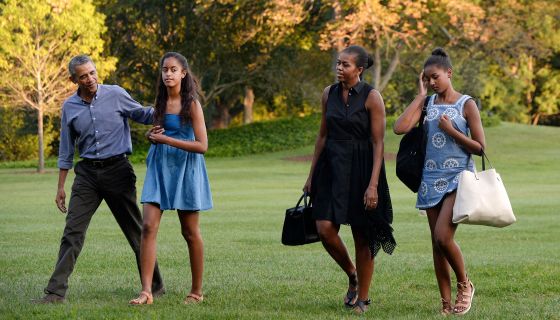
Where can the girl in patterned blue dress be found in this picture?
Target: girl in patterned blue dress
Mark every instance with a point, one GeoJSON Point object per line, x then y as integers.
{"type": "Point", "coordinates": [176, 176]}
{"type": "Point", "coordinates": [450, 118]}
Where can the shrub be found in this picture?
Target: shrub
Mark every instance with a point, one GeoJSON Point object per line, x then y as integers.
{"type": "Point", "coordinates": [258, 137]}
{"type": "Point", "coordinates": [489, 120]}
{"type": "Point", "coordinates": [15, 144]}
{"type": "Point", "coordinates": [389, 121]}
{"type": "Point", "coordinates": [550, 120]}
{"type": "Point", "coordinates": [261, 137]}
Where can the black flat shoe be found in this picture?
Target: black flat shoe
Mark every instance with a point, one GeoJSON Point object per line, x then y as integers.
{"type": "Point", "coordinates": [361, 306]}
{"type": "Point", "coordinates": [352, 293]}
{"type": "Point", "coordinates": [49, 298]}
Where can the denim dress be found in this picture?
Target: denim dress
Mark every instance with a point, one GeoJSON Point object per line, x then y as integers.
{"type": "Point", "coordinates": [445, 158]}
{"type": "Point", "coordinates": [175, 178]}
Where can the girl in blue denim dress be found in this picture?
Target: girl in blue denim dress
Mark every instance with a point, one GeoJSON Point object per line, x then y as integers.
{"type": "Point", "coordinates": [176, 177]}
{"type": "Point", "coordinates": [453, 132]}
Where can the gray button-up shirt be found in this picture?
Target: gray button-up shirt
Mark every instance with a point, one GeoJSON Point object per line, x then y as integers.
{"type": "Point", "coordinates": [100, 128]}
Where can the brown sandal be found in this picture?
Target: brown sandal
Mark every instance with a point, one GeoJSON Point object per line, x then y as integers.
{"type": "Point", "coordinates": [193, 299]}
{"type": "Point", "coordinates": [143, 298]}
{"type": "Point", "coordinates": [465, 293]}
{"type": "Point", "coordinates": [446, 308]}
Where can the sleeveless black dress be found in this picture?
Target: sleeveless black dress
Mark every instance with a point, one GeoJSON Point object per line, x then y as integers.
{"type": "Point", "coordinates": [343, 171]}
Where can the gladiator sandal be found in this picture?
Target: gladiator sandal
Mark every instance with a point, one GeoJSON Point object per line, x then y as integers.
{"type": "Point", "coordinates": [143, 298]}
{"type": "Point", "coordinates": [193, 298]}
{"type": "Point", "coordinates": [446, 308]}
{"type": "Point", "coordinates": [465, 293]}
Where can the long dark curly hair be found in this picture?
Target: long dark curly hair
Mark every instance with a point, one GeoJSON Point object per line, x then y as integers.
{"type": "Point", "coordinates": [189, 90]}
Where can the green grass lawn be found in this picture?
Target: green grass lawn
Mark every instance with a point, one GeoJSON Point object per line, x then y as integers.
{"type": "Point", "coordinates": [250, 275]}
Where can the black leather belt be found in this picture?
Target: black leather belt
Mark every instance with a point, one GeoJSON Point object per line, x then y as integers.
{"type": "Point", "coordinates": [101, 163]}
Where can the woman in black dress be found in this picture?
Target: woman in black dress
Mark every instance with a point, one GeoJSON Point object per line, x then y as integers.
{"type": "Point", "coordinates": [347, 179]}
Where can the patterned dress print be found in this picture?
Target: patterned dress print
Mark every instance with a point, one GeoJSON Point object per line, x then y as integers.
{"type": "Point", "coordinates": [445, 159]}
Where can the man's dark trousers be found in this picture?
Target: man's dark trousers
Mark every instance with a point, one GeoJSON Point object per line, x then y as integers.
{"type": "Point", "coordinates": [114, 182]}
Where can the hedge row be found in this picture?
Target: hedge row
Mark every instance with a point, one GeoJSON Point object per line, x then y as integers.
{"type": "Point", "coordinates": [263, 137]}
{"type": "Point", "coordinates": [259, 137]}
{"type": "Point", "coordinates": [277, 135]}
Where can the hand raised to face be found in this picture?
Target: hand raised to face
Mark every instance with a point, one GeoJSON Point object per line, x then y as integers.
{"type": "Point", "coordinates": [422, 84]}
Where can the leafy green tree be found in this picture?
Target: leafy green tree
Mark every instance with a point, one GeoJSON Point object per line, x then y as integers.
{"type": "Point", "coordinates": [547, 97]}
{"type": "Point", "coordinates": [13, 144]}
{"type": "Point", "coordinates": [231, 45]}
{"type": "Point", "coordinates": [39, 37]}
{"type": "Point", "coordinates": [521, 40]}
{"type": "Point", "coordinates": [395, 29]}
{"type": "Point", "coordinates": [265, 52]}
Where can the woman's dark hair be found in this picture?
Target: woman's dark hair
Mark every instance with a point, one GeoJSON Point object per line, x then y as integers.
{"type": "Point", "coordinates": [189, 90]}
{"type": "Point", "coordinates": [440, 58]}
{"type": "Point", "coordinates": [363, 59]}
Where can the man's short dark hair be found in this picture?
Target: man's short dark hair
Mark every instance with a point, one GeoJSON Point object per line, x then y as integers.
{"type": "Point", "coordinates": [78, 61]}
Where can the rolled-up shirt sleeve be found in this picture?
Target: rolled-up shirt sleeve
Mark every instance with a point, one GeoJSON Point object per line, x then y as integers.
{"type": "Point", "coordinates": [134, 110]}
{"type": "Point", "coordinates": [67, 144]}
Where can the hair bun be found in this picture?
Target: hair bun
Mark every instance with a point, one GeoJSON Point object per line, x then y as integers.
{"type": "Point", "coordinates": [369, 61]}
{"type": "Point", "coordinates": [439, 52]}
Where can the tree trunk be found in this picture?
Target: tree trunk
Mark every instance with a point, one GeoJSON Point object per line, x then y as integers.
{"type": "Point", "coordinates": [221, 119]}
{"type": "Point", "coordinates": [40, 110]}
{"type": "Point", "coordinates": [530, 91]}
{"type": "Point", "coordinates": [41, 167]}
{"type": "Point", "coordinates": [248, 105]}
{"type": "Point", "coordinates": [536, 118]}
{"type": "Point", "coordinates": [377, 67]}
{"type": "Point", "coordinates": [334, 58]}
{"type": "Point", "coordinates": [339, 44]}
{"type": "Point", "coordinates": [390, 70]}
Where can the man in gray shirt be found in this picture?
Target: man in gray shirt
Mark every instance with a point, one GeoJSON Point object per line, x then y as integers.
{"type": "Point", "coordinates": [95, 119]}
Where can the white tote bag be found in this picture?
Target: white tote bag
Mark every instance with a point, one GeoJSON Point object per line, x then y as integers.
{"type": "Point", "coordinates": [482, 199]}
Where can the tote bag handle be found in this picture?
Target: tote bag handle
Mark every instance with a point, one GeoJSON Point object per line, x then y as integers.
{"type": "Point", "coordinates": [483, 163]}
{"type": "Point", "coordinates": [303, 197]}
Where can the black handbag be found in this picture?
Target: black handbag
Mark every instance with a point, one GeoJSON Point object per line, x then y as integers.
{"type": "Point", "coordinates": [411, 154]}
{"type": "Point", "coordinates": [299, 226]}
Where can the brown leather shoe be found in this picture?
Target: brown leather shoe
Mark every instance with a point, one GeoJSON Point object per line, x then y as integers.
{"type": "Point", "coordinates": [49, 298]}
